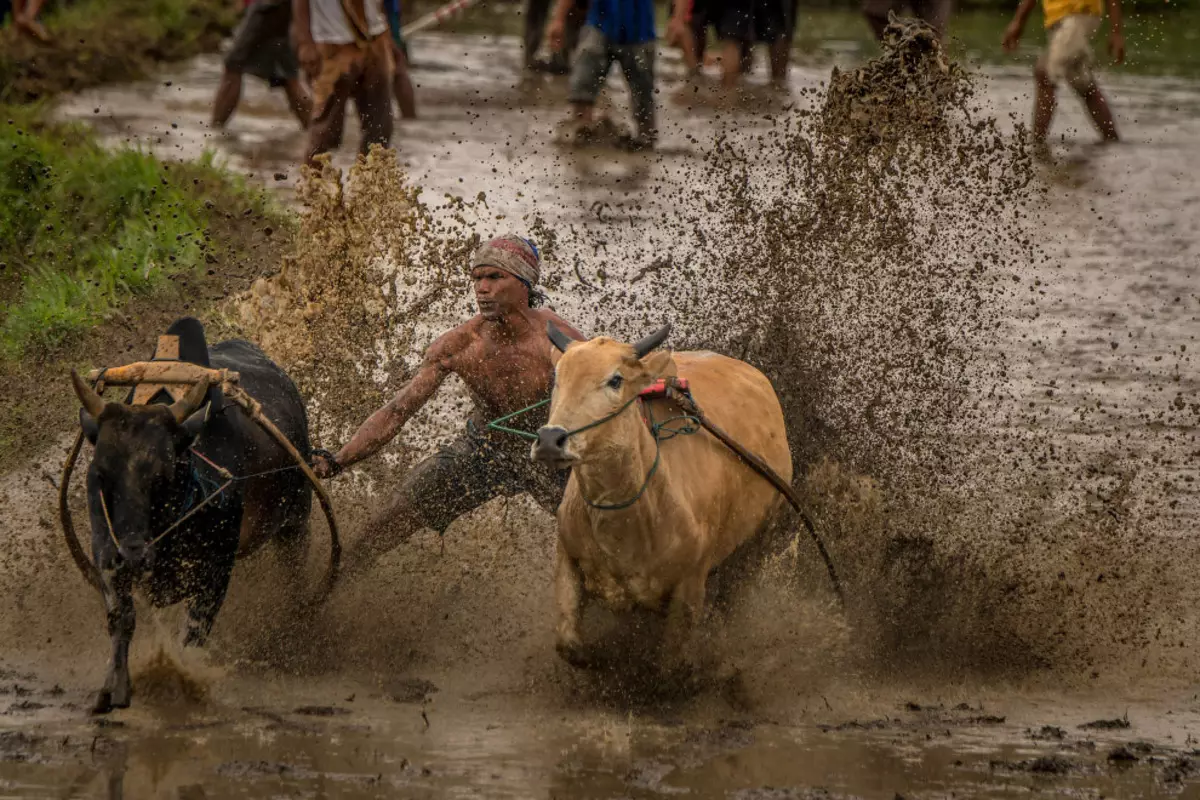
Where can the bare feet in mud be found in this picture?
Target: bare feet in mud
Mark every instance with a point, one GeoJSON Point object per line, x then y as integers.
{"type": "Point", "coordinates": [602, 133]}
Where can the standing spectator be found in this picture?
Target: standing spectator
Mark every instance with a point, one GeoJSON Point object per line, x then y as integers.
{"type": "Point", "coordinates": [261, 47]}
{"type": "Point", "coordinates": [402, 86]}
{"type": "Point", "coordinates": [1070, 24]}
{"type": "Point", "coordinates": [344, 47]}
{"type": "Point", "coordinates": [536, 12]}
{"type": "Point", "coordinates": [620, 31]}
{"type": "Point", "coordinates": [935, 12]}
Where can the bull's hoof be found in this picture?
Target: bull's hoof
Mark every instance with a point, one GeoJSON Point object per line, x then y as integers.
{"type": "Point", "coordinates": [103, 703]}
{"type": "Point", "coordinates": [573, 653]}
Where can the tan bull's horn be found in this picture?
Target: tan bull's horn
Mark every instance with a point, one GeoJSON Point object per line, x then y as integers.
{"type": "Point", "coordinates": [92, 402]}
{"type": "Point", "coordinates": [182, 409]}
{"type": "Point", "coordinates": [652, 341]}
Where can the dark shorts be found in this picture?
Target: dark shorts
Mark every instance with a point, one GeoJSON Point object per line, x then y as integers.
{"type": "Point", "coordinates": [749, 20]}
{"type": "Point", "coordinates": [261, 46]}
{"type": "Point", "coordinates": [473, 469]}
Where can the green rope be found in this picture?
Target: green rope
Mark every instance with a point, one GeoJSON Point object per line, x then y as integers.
{"type": "Point", "coordinates": [692, 424]}
{"type": "Point", "coordinates": [497, 424]}
{"type": "Point", "coordinates": [659, 430]}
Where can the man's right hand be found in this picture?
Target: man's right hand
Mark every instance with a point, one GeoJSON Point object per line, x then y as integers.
{"type": "Point", "coordinates": [324, 464]}
{"type": "Point", "coordinates": [1012, 36]}
{"type": "Point", "coordinates": [309, 58]}
{"type": "Point", "coordinates": [556, 33]}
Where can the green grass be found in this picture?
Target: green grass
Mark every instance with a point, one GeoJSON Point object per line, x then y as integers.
{"type": "Point", "coordinates": [83, 229]}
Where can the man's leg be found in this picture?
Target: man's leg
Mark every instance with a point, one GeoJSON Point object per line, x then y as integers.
{"type": "Point", "coordinates": [536, 14]}
{"type": "Point", "coordinates": [1043, 104]}
{"type": "Point", "coordinates": [1102, 116]}
{"type": "Point", "coordinates": [592, 61]}
{"type": "Point", "coordinates": [331, 89]}
{"type": "Point", "coordinates": [637, 62]}
{"type": "Point", "coordinates": [373, 94]}
{"type": "Point", "coordinates": [402, 88]}
{"type": "Point", "coordinates": [438, 490]}
{"type": "Point", "coordinates": [229, 92]}
{"type": "Point", "coordinates": [299, 100]}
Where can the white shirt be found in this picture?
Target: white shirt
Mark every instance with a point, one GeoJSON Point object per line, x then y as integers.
{"type": "Point", "coordinates": [330, 26]}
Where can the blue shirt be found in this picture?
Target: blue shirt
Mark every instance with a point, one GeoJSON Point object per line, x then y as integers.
{"type": "Point", "coordinates": [623, 21]}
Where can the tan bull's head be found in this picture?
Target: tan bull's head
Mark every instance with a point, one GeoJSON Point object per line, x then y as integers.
{"type": "Point", "coordinates": [594, 382]}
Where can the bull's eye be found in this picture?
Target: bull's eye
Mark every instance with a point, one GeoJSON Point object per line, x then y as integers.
{"type": "Point", "coordinates": [615, 382]}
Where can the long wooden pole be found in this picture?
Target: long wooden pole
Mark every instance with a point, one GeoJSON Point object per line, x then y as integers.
{"type": "Point", "coordinates": [254, 409]}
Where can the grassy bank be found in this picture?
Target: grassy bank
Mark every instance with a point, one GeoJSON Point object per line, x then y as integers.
{"type": "Point", "coordinates": [105, 41]}
{"type": "Point", "coordinates": [100, 250]}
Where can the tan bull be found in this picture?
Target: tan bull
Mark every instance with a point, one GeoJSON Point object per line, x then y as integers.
{"type": "Point", "coordinates": [644, 521]}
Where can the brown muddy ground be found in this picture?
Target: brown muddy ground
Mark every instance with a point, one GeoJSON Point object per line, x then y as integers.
{"type": "Point", "coordinates": [1040, 583]}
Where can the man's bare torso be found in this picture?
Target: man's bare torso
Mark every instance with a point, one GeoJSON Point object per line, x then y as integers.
{"type": "Point", "coordinates": [504, 369]}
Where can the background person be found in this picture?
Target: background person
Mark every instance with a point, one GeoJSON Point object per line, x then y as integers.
{"type": "Point", "coordinates": [620, 31]}
{"type": "Point", "coordinates": [262, 47]}
{"type": "Point", "coordinates": [1070, 25]}
{"type": "Point", "coordinates": [25, 18]}
{"type": "Point", "coordinates": [345, 48]}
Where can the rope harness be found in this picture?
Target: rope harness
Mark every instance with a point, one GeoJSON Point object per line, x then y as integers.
{"type": "Point", "coordinates": [191, 507]}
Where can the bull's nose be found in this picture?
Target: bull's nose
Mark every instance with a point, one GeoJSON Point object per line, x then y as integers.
{"type": "Point", "coordinates": [550, 444]}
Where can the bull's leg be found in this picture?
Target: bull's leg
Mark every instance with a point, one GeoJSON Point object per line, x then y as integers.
{"type": "Point", "coordinates": [683, 612]}
{"type": "Point", "coordinates": [118, 601]}
{"type": "Point", "coordinates": [204, 605]}
{"type": "Point", "coordinates": [568, 598]}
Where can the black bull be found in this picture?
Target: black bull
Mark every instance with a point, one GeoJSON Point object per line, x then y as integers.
{"type": "Point", "coordinates": [147, 474]}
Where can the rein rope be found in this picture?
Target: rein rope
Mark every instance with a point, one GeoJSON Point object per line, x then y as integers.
{"type": "Point", "coordinates": [192, 507]}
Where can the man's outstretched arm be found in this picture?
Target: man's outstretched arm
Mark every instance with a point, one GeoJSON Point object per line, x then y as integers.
{"type": "Point", "coordinates": [382, 426]}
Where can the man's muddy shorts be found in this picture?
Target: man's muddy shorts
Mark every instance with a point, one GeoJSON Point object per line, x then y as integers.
{"type": "Point", "coordinates": [935, 12]}
{"type": "Point", "coordinates": [1068, 54]}
{"type": "Point", "coordinates": [472, 470]}
{"type": "Point", "coordinates": [261, 46]}
{"type": "Point", "coordinates": [363, 72]}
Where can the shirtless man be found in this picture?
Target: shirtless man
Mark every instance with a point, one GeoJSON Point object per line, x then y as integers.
{"type": "Point", "coordinates": [504, 357]}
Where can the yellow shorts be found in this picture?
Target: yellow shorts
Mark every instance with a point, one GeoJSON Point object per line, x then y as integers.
{"type": "Point", "coordinates": [1068, 53]}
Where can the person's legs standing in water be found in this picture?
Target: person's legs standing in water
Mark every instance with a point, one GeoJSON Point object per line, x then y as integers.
{"type": "Point", "coordinates": [637, 63]}
{"type": "Point", "coordinates": [1068, 58]}
{"type": "Point", "coordinates": [261, 47]}
{"type": "Point", "coordinates": [345, 57]}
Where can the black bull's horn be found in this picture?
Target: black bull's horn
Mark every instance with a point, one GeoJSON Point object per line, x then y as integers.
{"type": "Point", "coordinates": [562, 341]}
{"type": "Point", "coordinates": [91, 401]}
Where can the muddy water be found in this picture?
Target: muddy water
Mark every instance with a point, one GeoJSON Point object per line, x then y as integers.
{"type": "Point", "coordinates": [435, 676]}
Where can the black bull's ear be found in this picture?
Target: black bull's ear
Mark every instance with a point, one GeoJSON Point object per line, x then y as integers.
{"type": "Point", "coordinates": [652, 341]}
{"type": "Point", "coordinates": [91, 428]}
{"type": "Point", "coordinates": [558, 338]}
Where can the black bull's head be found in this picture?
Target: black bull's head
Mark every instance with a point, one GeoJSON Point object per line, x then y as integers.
{"type": "Point", "coordinates": [140, 470]}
